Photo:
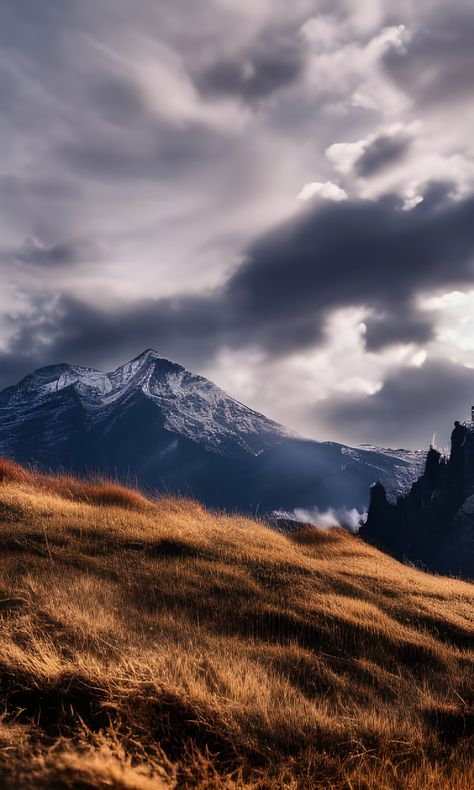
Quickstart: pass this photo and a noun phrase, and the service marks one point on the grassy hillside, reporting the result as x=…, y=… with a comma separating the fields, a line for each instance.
x=156, y=645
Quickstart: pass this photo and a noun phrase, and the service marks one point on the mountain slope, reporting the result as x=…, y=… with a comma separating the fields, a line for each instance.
x=155, y=422
x=152, y=644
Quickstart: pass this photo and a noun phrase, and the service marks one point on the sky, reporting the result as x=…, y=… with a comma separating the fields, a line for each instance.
x=278, y=195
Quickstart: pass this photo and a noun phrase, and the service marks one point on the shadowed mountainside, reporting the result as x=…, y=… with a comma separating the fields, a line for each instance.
x=154, y=422
x=153, y=644
x=432, y=525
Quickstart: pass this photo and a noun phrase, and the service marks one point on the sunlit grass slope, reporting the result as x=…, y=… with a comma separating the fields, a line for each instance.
x=157, y=645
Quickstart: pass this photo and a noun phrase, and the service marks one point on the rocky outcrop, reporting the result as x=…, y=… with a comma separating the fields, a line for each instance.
x=433, y=525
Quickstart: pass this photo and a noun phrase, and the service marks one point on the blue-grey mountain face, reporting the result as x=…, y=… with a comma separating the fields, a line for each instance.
x=154, y=422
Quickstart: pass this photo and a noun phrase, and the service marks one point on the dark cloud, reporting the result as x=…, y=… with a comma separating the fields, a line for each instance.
x=118, y=100
x=63, y=253
x=401, y=325
x=412, y=404
x=255, y=73
x=358, y=253
x=384, y=151
x=66, y=329
x=365, y=253
x=162, y=152
x=65, y=74
x=438, y=62
x=26, y=20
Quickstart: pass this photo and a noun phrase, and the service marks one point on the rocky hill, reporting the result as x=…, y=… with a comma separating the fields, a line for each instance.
x=433, y=524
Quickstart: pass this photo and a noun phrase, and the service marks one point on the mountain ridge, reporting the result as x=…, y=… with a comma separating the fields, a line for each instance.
x=171, y=429
x=162, y=380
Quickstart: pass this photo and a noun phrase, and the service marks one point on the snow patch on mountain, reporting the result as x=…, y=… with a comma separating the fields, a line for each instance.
x=405, y=464
x=192, y=406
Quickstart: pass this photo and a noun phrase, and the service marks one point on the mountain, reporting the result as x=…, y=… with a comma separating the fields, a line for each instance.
x=154, y=422
x=433, y=524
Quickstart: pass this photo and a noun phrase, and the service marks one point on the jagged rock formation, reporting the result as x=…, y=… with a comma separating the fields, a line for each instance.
x=153, y=422
x=432, y=525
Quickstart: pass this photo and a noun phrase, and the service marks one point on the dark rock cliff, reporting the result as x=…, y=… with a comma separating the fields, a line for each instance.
x=433, y=525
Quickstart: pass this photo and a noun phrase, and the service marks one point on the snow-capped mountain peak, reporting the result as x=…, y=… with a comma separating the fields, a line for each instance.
x=173, y=430
x=191, y=405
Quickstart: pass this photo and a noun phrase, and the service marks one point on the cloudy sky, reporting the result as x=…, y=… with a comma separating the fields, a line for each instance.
x=278, y=195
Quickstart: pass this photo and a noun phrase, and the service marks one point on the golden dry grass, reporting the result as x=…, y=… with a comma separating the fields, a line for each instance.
x=152, y=644
x=95, y=492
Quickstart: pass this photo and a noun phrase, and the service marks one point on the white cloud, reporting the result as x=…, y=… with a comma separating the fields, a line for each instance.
x=367, y=16
x=323, y=32
x=289, y=389
x=327, y=190
x=350, y=71
x=455, y=324
x=412, y=199
x=419, y=358
x=325, y=519
x=344, y=155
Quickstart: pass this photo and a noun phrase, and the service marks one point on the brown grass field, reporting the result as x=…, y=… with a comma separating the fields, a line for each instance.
x=153, y=644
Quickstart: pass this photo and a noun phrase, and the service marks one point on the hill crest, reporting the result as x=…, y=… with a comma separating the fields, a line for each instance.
x=153, y=644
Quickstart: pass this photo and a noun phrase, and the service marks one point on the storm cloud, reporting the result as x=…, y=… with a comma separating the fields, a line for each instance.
x=438, y=61
x=268, y=66
x=170, y=178
x=382, y=152
x=356, y=253
x=430, y=397
x=374, y=255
